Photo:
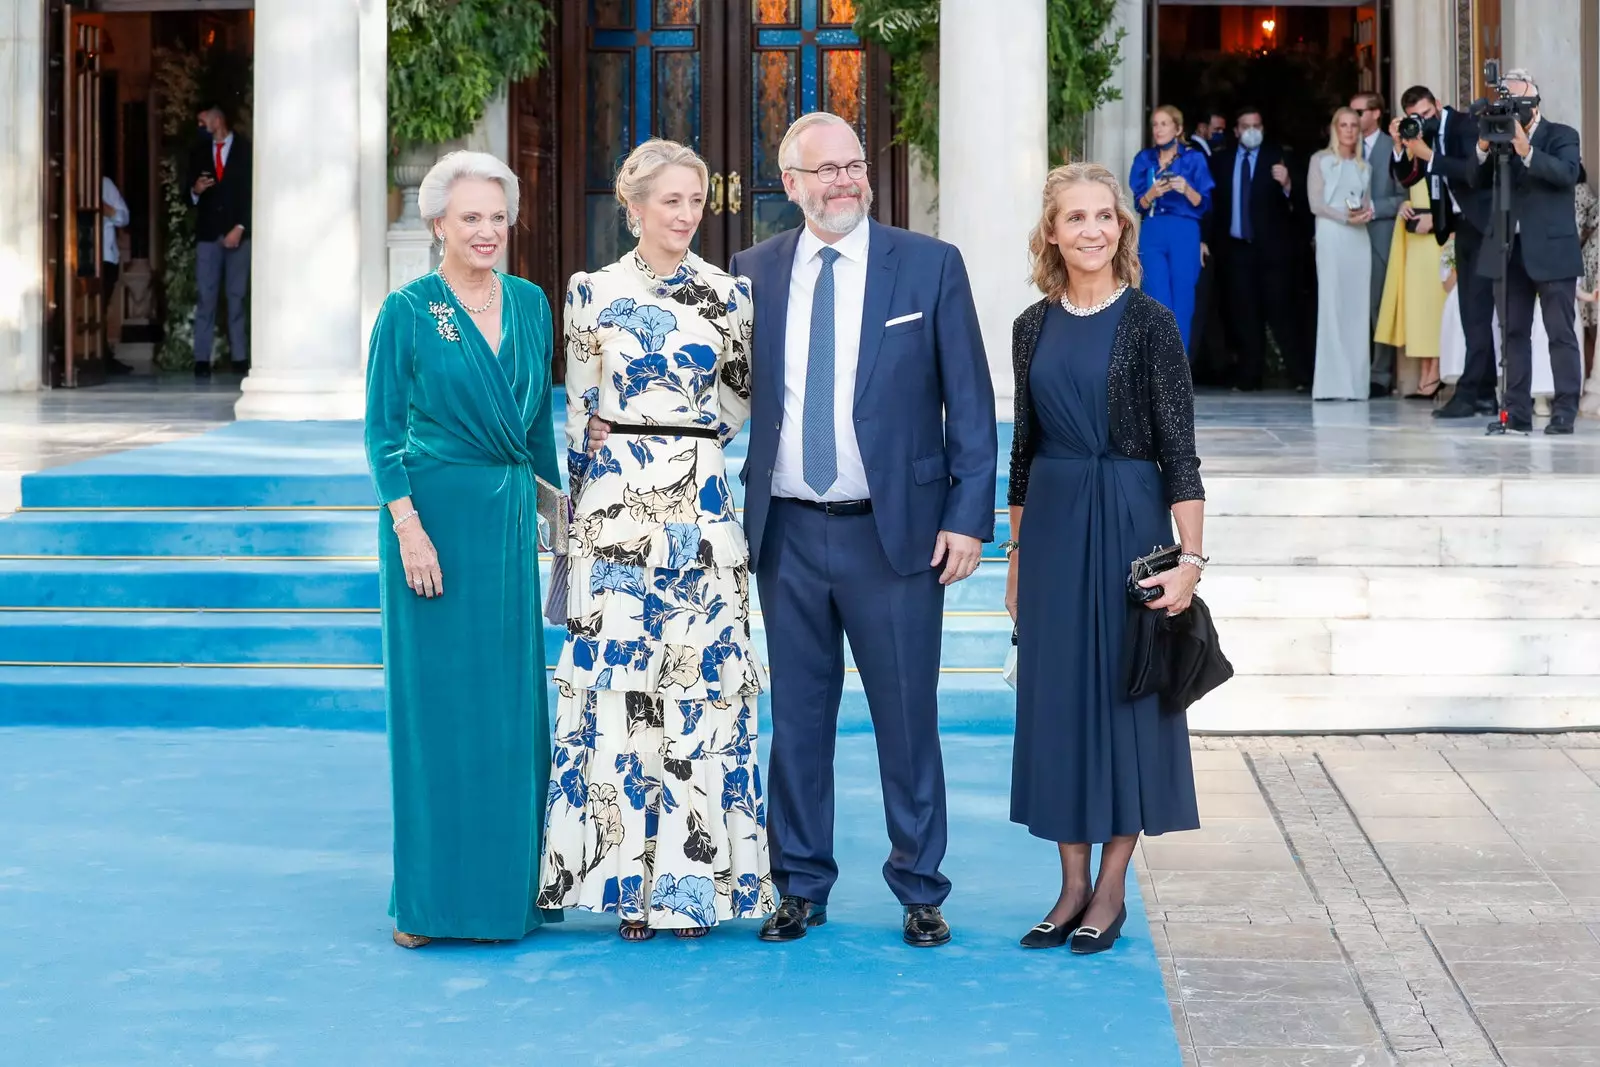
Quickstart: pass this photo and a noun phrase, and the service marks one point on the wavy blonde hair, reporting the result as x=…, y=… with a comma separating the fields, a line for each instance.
x=1049, y=267
x=638, y=173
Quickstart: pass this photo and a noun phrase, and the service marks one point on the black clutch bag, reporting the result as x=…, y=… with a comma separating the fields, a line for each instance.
x=1176, y=657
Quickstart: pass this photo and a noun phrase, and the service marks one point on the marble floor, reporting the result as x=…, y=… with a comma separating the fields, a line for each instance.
x=1280, y=435
x=1415, y=900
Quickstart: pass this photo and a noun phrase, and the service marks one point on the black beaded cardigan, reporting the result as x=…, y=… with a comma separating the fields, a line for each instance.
x=1150, y=394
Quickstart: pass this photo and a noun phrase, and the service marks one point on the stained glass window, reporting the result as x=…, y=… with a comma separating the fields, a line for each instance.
x=677, y=12
x=838, y=12
x=775, y=12
x=610, y=133
x=677, y=102
x=611, y=14
x=844, y=87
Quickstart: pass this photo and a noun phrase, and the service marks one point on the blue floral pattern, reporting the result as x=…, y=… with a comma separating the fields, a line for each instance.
x=655, y=810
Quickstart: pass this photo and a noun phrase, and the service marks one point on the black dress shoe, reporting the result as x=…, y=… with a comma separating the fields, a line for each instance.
x=202, y=371
x=1086, y=940
x=1459, y=407
x=1049, y=935
x=1378, y=392
x=1559, y=426
x=925, y=926
x=794, y=917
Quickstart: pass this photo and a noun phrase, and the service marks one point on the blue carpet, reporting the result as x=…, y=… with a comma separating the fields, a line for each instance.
x=201, y=897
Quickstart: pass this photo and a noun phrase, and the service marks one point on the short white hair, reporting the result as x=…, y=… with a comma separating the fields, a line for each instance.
x=433, y=195
x=789, y=147
x=1521, y=74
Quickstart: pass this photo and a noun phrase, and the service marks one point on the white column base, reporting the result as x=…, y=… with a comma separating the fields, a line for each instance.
x=410, y=254
x=300, y=394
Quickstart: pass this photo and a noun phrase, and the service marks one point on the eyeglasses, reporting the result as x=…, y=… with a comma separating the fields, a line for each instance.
x=828, y=173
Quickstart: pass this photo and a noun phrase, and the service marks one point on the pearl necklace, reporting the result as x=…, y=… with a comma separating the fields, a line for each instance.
x=494, y=290
x=1073, y=309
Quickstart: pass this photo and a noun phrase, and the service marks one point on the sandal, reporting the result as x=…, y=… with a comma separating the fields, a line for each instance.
x=634, y=932
x=405, y=940
x=691, y=933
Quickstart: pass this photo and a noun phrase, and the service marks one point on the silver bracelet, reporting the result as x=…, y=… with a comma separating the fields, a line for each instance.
x=402, y=520
x=1198, y=562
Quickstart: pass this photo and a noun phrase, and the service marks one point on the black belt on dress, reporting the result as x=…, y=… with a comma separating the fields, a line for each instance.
x=664, y=431
x=838, y=508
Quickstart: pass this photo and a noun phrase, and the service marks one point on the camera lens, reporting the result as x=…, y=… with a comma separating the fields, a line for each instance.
x=1410, y=128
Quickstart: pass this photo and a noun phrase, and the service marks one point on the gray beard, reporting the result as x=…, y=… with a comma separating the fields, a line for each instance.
x=841, y=222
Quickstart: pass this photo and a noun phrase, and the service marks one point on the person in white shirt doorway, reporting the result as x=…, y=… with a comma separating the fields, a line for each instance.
x=114, y=216
x=870, y=488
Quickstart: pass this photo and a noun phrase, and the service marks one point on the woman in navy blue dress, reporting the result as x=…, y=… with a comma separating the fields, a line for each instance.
x=1104, y=460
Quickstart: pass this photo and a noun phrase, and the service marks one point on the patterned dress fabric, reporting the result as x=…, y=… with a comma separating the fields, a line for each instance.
x=656, y=810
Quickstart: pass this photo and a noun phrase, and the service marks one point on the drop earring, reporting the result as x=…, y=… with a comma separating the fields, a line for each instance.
x=633, y=225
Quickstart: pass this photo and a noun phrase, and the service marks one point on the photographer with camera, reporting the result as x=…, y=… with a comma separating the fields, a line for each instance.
x=1439, y=146
x=1542, y=166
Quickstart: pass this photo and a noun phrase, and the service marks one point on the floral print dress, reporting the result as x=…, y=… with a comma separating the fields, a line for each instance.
x=655, y=810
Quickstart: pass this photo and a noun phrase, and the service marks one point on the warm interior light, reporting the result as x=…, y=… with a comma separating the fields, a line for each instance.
x=1268, y=25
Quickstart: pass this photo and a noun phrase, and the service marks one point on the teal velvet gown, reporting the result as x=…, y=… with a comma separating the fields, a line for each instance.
x=462, y=431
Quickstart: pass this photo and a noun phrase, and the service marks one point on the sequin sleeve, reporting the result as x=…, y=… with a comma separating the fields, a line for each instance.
x=1024, y=338
x=1172, y=409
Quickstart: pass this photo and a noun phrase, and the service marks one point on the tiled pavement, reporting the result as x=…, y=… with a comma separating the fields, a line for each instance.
x=1421, y=900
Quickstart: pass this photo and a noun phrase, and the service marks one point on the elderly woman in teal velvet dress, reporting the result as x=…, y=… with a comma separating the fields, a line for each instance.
x=458, y=427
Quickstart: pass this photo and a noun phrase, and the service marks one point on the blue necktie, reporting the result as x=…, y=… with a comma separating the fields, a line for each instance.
x=819, y=455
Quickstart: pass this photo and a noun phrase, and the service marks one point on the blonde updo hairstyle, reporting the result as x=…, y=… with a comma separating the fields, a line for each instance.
x=1049, y=268
x=637, y=175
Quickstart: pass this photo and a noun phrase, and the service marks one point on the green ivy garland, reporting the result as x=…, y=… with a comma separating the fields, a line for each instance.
x=449, y=58
x=1082, y=55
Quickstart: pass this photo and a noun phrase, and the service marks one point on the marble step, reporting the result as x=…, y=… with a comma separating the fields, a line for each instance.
x=1517, y=541
x=1331, y=592
x=1568, y=496
x=1322, y=705
x=1412, y=648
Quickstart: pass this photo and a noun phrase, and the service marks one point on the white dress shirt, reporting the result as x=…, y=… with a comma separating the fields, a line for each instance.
x=1366, y=144
x=849, y=297
x=109, y=252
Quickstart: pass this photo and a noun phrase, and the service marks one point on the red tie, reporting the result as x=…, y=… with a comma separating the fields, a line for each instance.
x=217, y=148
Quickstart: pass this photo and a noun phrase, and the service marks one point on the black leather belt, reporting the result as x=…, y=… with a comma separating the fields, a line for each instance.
x=663, y=431
x=838, y=508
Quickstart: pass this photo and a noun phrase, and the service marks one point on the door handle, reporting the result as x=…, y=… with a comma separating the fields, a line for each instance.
x=735, y=193
x=714, y=201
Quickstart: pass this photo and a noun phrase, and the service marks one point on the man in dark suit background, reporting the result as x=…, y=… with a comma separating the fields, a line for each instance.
x=1546, y=259
x=1445, y=155
x=1377, y=148
x=1252, y=230
x=219, y=186
x=870, y=488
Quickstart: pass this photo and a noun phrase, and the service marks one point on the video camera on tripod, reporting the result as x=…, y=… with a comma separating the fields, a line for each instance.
x=1499, y=117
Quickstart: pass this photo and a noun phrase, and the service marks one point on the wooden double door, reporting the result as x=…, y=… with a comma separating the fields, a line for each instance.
x=725, y=77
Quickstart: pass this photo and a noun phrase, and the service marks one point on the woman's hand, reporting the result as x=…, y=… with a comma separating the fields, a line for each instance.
x=1407, y=212
x=595, y=435
x=420, y=560
x=1011, y=587
x=1177, y=588
x=1178, y=185
x=1424, y=224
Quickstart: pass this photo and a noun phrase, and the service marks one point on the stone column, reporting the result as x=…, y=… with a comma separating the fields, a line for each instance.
x=1424, y=49
x=308, y=299
x=992, y=159
x=374, y=125
x=21, y=196
x=1118, y=130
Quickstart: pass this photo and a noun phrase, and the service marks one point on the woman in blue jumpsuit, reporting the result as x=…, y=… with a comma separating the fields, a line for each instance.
x=1172, y=186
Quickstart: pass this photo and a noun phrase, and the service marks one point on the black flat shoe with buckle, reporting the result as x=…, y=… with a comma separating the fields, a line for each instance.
x=1086, y=940
x=925, y=926
x=793, y=919
x=1049, y=935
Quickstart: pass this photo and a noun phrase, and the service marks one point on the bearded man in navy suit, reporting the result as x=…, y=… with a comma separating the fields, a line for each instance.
x=870, y=487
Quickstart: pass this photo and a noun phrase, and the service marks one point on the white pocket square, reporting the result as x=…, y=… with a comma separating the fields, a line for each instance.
x=913, y=317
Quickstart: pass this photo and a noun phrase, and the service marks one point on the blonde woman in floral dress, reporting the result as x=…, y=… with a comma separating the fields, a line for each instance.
x=656, y=811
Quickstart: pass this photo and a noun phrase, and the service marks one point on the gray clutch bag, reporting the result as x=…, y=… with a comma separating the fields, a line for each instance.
x=555, y=513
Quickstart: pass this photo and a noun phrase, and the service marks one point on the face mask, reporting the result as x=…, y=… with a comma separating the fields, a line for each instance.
x=1164, y=144
x=1215, y=138
x=1251, y=138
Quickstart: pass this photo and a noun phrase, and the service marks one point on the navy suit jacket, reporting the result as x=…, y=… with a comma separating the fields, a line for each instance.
x=924, y=404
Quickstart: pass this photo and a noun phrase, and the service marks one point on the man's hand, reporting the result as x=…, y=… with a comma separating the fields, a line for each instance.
x=202, y=183
x=234, y=238
x=1280, y=174
x=959, y=554
x=1519, y=140
x=1417, y=148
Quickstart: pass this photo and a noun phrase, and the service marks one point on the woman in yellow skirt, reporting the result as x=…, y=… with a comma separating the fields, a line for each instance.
x=1413, y=295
